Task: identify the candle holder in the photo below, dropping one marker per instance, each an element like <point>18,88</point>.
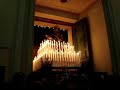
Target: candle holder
<point>60,53</point>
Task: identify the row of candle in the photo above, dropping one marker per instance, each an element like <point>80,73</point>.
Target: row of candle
<point>54,46</point>
<point>58,51</point>
<point>59,56</point>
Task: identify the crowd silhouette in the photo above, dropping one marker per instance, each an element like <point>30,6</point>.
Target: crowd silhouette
<point>45,78</point>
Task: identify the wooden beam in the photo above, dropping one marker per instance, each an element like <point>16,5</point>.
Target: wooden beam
<point>48,10</point>
<point>52,21</point>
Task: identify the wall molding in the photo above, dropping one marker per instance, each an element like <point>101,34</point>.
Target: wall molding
<point>52,21</point>
<point>52,11</point>
<point>59,18</point>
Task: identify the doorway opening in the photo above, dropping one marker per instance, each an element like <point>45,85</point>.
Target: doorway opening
<point>69,50</point>
<point>67,17</point>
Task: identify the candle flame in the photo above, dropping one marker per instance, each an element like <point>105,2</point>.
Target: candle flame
<point>60,53</point>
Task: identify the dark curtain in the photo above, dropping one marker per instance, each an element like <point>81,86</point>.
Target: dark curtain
<point>80,38</point>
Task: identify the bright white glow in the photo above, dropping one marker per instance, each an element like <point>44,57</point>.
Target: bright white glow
<point>61,53</point>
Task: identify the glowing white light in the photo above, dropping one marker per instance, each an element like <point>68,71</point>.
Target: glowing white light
<point>62,54</point>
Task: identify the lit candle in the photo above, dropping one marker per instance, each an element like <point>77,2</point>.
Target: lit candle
<point>50,44</point>
<point>67,56</point>
<point>55,56</point>
<point>77,57</point>
<point>60,56</point>
<point>50,55</point>
<point>35,58</point>
<point>70,56</point>
<point>47,53</point>
<point>59,45</point>
<point>42,43</point>
<point>62,45</point>
<point>47,44</point>
<point>54,45</point>
<point>73,56</point>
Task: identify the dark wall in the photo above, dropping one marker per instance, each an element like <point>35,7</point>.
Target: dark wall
<point>40,32</point>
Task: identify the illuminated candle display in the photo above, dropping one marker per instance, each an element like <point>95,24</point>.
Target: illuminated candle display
<point>61,53</point>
